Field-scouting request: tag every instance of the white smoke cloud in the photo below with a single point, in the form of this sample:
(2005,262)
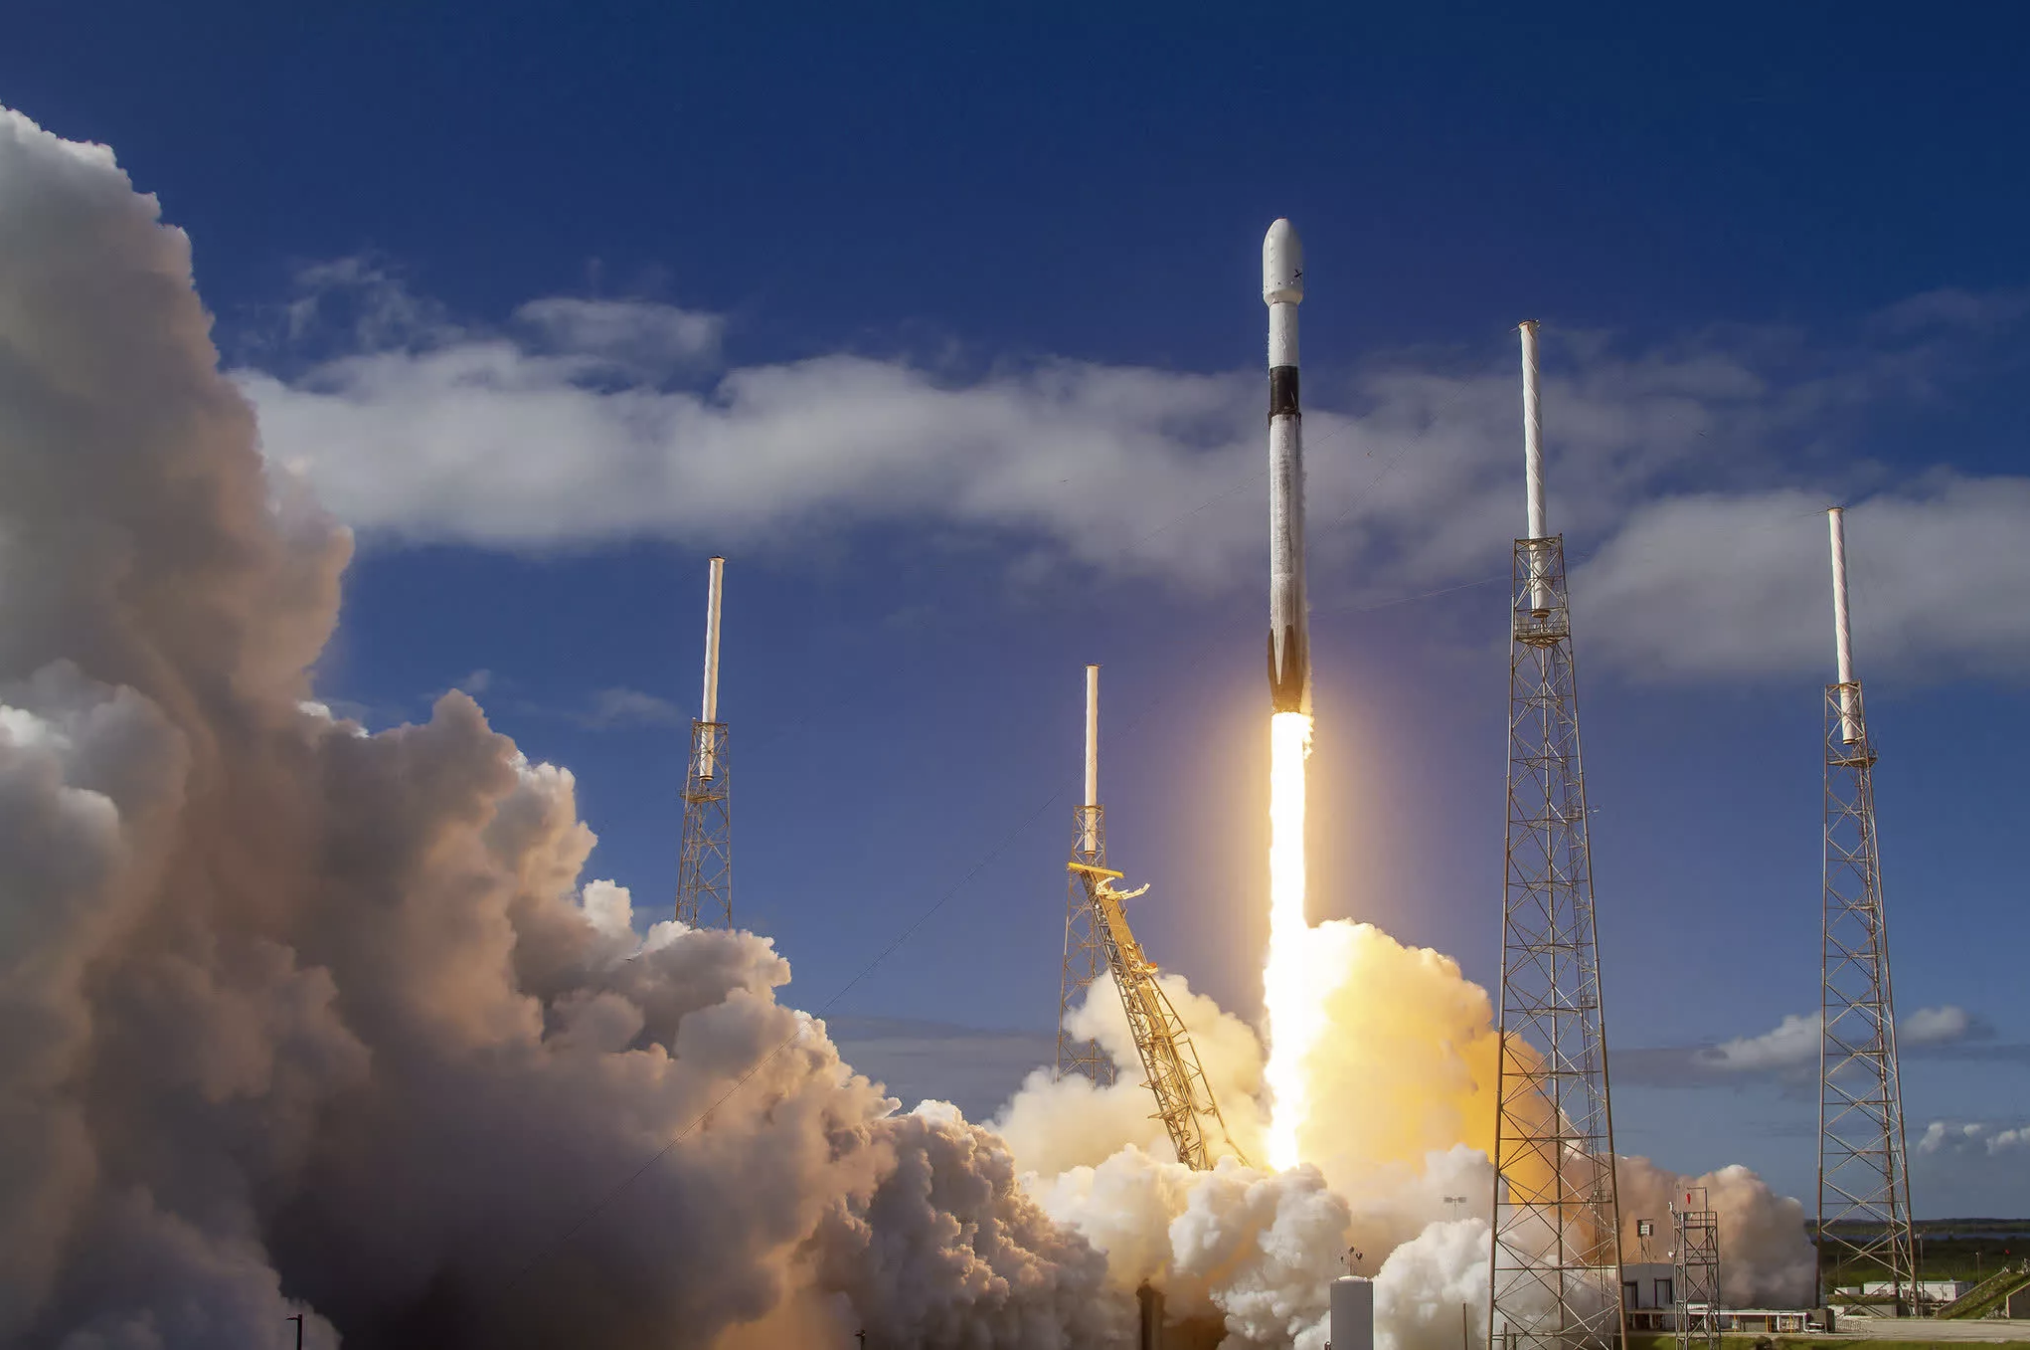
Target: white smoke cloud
(1766,1258)
(302,1019)
(1431,1285)
(1053,1126)
(1678,468)
(1402,1125)
(1256,1251)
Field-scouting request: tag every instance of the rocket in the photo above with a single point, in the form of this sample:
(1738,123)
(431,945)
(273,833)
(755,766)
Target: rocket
(1289,624)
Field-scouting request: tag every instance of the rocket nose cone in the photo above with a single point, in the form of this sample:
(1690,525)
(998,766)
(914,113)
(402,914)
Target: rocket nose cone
(1282,265)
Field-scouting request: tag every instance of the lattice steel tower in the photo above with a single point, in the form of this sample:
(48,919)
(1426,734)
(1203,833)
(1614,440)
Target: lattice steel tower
(705,862)
(1555,1258)
(1695,1248)
(1864,1191)
(1085,953)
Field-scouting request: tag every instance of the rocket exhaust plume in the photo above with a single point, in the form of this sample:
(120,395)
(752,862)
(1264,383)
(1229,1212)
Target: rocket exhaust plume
(1290,999)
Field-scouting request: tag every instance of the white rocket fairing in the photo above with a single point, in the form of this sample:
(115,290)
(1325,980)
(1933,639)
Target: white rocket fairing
(1289,625)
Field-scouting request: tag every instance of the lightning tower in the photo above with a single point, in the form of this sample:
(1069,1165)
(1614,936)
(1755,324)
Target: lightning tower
(1085,954)
(1555,1258)
(1864,1191)
(705,862)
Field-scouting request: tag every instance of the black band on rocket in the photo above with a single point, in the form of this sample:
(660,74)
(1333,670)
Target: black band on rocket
(1283,391)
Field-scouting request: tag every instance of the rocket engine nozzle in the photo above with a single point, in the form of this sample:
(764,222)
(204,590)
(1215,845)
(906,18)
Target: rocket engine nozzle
(1290,675)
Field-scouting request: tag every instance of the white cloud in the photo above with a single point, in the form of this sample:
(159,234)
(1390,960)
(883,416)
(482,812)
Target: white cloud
(1971,1167)
(1934,1026)
(630,708)
(1740,585)
(1694,471)
(644,339)
(1793,1043)
(362,303)
(1974,1137)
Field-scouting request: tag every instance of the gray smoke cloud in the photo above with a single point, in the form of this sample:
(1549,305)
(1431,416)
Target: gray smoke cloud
(296,1019)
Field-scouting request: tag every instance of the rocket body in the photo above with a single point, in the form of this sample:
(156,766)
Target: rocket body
(1289,623)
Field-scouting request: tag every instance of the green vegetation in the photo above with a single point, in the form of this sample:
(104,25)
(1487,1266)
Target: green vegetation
(1953,1249)
(1989,1295)
(1764,1341)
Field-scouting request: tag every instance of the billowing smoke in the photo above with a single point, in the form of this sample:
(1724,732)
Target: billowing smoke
(1766,1257)
(302,1019)
(1052,1126)
(298,1019)
(1400,1085)
(1398,1138)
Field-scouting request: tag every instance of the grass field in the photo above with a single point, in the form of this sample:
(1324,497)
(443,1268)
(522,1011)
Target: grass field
(1957,1249)
(1819,1342)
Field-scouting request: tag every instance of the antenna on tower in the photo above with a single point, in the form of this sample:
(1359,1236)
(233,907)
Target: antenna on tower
(1864,1189)
(1085,953)
(705,857)
(1555,1257)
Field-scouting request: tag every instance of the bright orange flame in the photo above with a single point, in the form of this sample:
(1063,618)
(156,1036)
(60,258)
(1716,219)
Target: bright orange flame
(1292,996)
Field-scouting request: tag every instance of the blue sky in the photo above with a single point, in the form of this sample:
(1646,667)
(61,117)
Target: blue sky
(967,313)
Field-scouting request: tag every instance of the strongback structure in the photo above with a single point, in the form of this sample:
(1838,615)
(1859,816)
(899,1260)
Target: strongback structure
(1085,955)
(1695,1243)
(1097,937)
(1864,1192)
(705,858)
(1184,1100)
(1555,1263)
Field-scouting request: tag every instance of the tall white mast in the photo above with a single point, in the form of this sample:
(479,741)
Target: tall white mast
(710,714)
(1843,634)
(1533,466)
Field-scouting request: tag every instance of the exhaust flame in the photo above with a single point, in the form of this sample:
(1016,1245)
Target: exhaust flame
(1292,997)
